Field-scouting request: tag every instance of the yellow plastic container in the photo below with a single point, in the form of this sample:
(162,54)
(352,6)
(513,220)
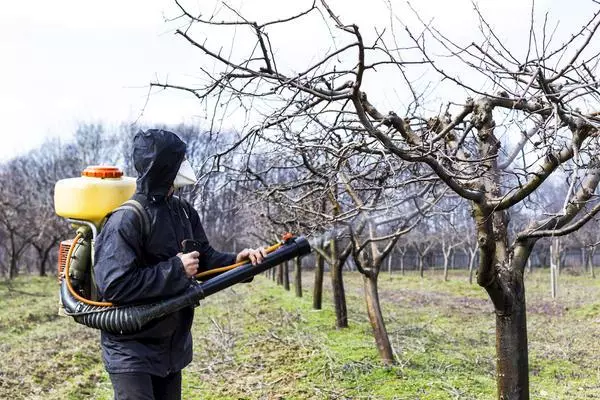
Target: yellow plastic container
(98,191)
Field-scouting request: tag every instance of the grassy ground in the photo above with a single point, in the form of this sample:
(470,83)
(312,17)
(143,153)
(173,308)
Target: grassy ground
(259,342)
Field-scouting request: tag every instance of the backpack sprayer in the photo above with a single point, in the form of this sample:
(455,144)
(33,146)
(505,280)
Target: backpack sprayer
(85,202)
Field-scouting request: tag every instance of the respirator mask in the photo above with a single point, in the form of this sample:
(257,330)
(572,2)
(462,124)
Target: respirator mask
(185,176)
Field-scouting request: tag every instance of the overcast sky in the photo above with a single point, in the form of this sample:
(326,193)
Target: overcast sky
(66,61)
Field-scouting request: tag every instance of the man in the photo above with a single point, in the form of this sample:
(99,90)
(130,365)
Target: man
(131,268)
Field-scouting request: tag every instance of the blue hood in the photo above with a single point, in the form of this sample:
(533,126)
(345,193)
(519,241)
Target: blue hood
(157,155)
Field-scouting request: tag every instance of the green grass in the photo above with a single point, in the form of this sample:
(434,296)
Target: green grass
(257,341)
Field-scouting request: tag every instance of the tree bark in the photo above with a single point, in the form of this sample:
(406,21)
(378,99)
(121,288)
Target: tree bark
(12,270)
(280,274)
(339,295)
(298,276)
(14,257)
(501,275)
(472,257)
(590,261)
(376,319)
(402,263)
(554,265)
(507,292)
(446,262)
(318,286)
(44,261)
(286,276)
(337,285)
(512,373)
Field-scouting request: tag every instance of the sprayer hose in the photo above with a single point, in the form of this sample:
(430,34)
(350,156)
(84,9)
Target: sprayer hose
(68,279)
(132,318)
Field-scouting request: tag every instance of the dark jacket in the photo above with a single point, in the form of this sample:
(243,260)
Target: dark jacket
(131,269)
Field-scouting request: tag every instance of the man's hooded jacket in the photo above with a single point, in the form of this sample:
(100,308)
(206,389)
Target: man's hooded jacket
(133,269)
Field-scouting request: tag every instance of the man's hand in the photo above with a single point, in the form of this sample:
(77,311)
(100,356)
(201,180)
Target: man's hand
(190,263)
(255,256)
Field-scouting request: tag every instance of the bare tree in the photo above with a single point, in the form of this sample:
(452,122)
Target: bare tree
(423,244)
(546,96)
(373,240)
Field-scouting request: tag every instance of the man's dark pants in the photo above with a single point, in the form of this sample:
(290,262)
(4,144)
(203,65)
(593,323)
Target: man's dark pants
(139,386)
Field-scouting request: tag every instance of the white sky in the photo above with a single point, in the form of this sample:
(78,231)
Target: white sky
(66,61)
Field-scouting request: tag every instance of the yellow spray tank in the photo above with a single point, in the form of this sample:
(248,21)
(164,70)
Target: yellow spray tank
(90,197)
(85,201)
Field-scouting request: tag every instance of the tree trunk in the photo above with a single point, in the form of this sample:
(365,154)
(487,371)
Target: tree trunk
(318,286)
(501,274)
(390,264)
(543,257)
(402,254)
(376,319)
(512,375)
(421,265)
(507,292)
(298,276)
(12,270)
(562,260)
(446,262)
(280,274)
(43,265)
(554,262)
(44,262)
(472,257)
(339,295)
(286,276)
(591,254)
(337,286)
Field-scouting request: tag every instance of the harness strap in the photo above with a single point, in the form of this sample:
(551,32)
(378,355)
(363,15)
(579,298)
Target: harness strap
(141,213)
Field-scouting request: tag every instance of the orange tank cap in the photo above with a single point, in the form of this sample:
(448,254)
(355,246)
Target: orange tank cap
(102,171)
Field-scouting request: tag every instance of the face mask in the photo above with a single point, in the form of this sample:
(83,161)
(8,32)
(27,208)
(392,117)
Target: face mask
(185,176)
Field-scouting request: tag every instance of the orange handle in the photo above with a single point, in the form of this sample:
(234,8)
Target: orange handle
(230,267)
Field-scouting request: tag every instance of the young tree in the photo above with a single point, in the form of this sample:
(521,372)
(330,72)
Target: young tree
(423,244)
(375,236)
